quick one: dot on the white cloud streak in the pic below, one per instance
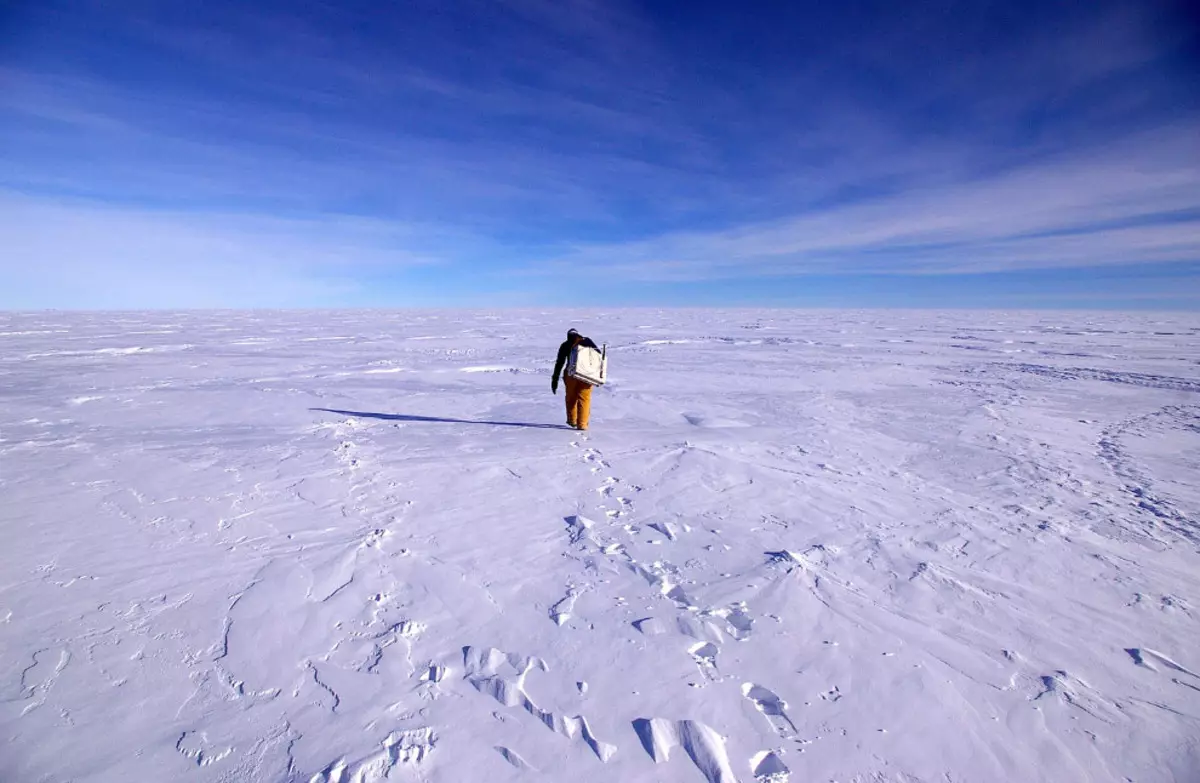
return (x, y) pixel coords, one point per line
(1137, 202)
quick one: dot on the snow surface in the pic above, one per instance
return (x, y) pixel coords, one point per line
(810, 546)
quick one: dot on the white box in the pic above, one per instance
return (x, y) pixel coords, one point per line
(588, 365)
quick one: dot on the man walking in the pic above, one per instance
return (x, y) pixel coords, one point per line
(579, 393)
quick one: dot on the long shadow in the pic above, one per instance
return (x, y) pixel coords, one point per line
(439, 420)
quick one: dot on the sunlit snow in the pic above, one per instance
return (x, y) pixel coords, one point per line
(795, 546)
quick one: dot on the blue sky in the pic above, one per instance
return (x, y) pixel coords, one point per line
(589, 152)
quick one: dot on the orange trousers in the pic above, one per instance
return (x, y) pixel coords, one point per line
(579, 403)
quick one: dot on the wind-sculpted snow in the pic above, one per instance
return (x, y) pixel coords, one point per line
(360, 547)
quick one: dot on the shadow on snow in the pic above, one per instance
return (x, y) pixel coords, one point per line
(439, 420)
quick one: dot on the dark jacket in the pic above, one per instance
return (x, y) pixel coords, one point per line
(564, 353)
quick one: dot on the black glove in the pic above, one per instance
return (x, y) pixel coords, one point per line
(554, 386)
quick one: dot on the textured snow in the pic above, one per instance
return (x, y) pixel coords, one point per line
(805, 546)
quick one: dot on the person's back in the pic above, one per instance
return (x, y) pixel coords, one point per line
(579, 393)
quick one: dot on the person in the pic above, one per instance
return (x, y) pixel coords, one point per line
(579, 393)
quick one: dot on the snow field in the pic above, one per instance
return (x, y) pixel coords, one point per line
(795, 546)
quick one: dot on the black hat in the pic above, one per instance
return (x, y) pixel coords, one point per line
(573, 333)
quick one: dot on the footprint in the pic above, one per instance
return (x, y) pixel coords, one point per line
(433, 673)
(668, 529)
(429, 677)
(593, 456)
(662, 576)
(579, 528)
(769, 768)
(705, 655)
(561, 611)
(740, 625)
(375, 538)
(770, 705)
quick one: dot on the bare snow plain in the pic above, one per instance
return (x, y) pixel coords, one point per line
(350, 547)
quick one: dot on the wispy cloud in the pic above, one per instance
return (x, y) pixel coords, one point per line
(1135, 202)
